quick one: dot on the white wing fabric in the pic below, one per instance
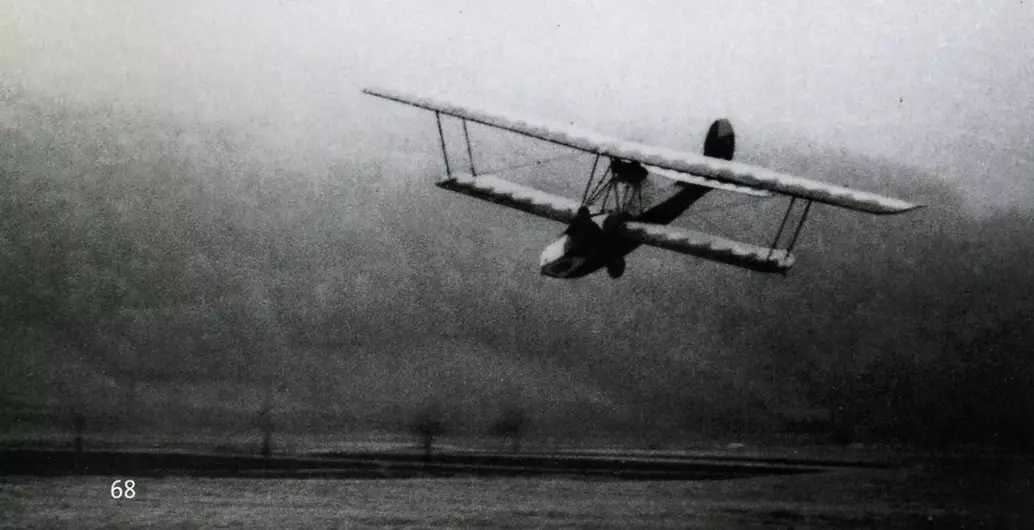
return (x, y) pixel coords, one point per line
(505, 193)
(681, 161)
(709, 247)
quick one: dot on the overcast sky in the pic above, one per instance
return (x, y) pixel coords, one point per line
(943, 85)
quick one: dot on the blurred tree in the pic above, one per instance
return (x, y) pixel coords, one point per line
(265, 420)
(429, 424)
(512, 424)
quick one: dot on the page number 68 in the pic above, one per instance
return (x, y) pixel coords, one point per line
(118, 492)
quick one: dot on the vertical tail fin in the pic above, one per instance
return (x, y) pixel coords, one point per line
(721, 140)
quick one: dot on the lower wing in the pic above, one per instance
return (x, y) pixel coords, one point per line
(708, 246)
(542, 204)
(506, 193)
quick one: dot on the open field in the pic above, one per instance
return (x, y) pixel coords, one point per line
(469, 491)
(385, 465)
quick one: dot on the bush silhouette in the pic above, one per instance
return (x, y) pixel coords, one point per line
(428, 424)
(512, 423)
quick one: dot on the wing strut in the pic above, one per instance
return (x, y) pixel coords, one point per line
(592, 175)
(782, 226)
(441, 136)
(470, 153)
(800, 225)
(596, 191)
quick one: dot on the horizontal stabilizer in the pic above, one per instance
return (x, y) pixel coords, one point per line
(505, 193)
(707, 183)
(710, 247)
(735, 173)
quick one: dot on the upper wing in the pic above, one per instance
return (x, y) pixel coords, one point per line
(711, 168)
(709, 246)
(499, 191)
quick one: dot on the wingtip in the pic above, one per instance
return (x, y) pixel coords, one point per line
(380, 91)
(895, 207)
(911, 207)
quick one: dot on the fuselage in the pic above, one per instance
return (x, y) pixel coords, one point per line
(662, 203)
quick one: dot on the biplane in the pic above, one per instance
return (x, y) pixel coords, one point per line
(635, 190)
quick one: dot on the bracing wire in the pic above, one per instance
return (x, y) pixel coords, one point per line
(533, 163)
(730, 205)
(505, 169)
(694, 215)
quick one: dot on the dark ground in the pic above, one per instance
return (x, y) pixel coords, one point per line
(56, 462)
(42, 488)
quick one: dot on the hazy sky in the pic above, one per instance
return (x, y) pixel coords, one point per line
(940, 84)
